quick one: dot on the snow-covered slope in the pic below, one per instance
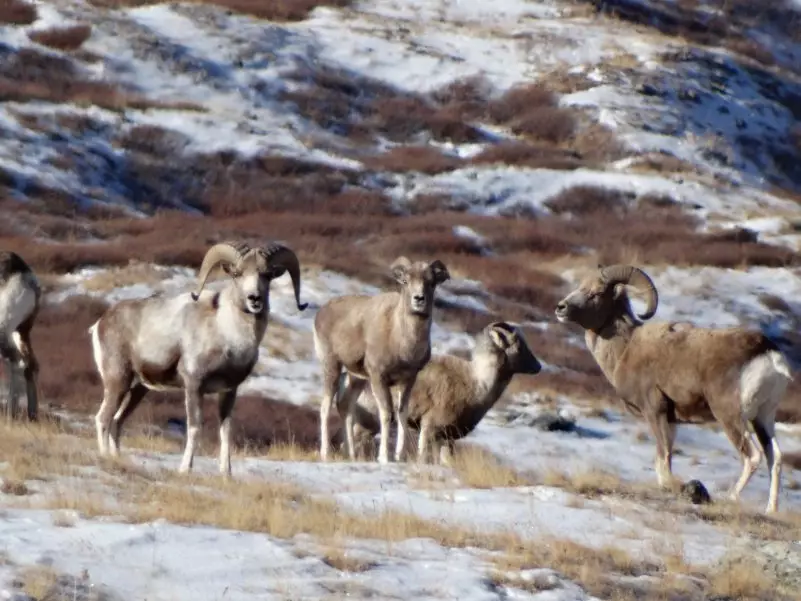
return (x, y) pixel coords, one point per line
(536, 514)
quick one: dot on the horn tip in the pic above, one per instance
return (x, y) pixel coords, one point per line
(302, 306)
(195, 296)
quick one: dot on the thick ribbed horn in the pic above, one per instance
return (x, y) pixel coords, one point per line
(224, 252)
(278, 255)
(637, 278)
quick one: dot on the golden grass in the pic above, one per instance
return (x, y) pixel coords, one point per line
(785, 525)
(339, 559)
(38, 582)
(478, 468)
(742, 580)
(118, 277)
(590, 482)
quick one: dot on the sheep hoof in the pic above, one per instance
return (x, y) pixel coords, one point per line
(695, 492)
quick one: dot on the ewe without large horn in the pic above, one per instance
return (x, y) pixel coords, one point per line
(224, 252)
(278, 255)
(637, 278)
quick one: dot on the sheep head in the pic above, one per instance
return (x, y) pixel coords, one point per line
(252, 270)
(418, 282)
(505, 345)
(597, 299)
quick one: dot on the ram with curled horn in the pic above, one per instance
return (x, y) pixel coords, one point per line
(668, 372)
(200, 342)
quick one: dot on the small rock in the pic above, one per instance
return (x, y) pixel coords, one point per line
(695, 492)
(548, 422)
(648, 89)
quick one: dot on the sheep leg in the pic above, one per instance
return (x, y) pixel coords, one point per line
(423, 441)
(662, 422)
(131, 402)
(331, 373)
(765, 430)
(114, 391)
(750, 454)
(353, 388)
(11, 358)
(446, 453)
(226, 406)
(194, 422)
(402, 417)
(30, 367)
(12, 405)
(383, 400)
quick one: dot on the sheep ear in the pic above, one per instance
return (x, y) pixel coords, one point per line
(498, 340)
(400, 269)
(440, 272)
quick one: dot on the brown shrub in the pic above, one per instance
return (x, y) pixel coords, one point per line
(424, 159)
(585, 200)
(548, 124)
(528, 155)
(32, 75)
(17, 12)
(401, 118)
(273, 10)
(521, 100)
(70, 37)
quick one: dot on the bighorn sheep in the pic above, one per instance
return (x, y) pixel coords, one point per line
(667, 372)
(452, 395)
(202, 344)
(384, 340)
(20, 296)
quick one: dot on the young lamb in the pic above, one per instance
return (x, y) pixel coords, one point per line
(20, 296)
(666, 372)
(201, 343)
(452, 395)
(384, 340)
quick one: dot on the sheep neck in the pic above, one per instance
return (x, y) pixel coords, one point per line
(609, 342)
(490, 382)
(409, 329)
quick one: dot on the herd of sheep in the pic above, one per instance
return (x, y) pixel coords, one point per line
(208, 342)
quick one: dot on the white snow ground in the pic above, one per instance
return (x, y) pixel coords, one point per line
(201, 54)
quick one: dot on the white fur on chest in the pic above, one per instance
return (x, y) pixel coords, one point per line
(17, 302)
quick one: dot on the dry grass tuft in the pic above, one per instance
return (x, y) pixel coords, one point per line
(339, 559)
(38, 582)
(478, 468)
(66, 38)
(590, 483)
(17, 12)
(424, 159)
(741, 579)
(17, 488)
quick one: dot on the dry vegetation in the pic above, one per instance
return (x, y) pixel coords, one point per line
(732, 23)
(70, 37)
(32, 75)
(273, 10)
(17, 12)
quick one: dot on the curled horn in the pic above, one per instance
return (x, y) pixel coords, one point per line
(278, 255)
(629, 275)
(224, 252)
